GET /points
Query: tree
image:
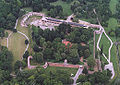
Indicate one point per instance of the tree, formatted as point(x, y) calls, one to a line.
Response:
point(74, 5)
point(42, 41)
point(82, 78)
point(26, 42)
point(86, 83)
point(83, 38)
point(17, 65)
point(4, 75)
point(73, 56)
point(2, 34)
point(85, 71)
point(38, 57)
point(91, 62)
point(48, 54)
point(101, 77)
point(117, 32)
point(22, 12)
point(6, 58)
point(86, 53)
point(36, 48)
point(26, 54)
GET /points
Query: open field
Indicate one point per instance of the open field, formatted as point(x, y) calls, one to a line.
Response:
point(66, 7)
point(17, 46)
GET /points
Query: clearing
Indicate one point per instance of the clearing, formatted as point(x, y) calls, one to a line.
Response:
point(66, 7)
point(17, 46)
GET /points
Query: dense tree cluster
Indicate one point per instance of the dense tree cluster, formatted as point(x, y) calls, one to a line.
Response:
point(117, 32)
point(100, 78)
point(84, 9)
point(6, 58)
point(37, 76)
point(39, 5)
point(48, 43)
point(10, 10)
point(9, 13)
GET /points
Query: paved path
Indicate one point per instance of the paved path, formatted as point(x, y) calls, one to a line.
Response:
point(8, 39)
point(19, 33)
point(77, 75)
point(26, 38)
point(110, 64)
point(100, 31)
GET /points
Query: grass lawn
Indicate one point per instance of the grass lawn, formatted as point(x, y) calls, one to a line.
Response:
point(22, 29)
point(112, 24)
point(17, 46)
point(66, 7)
point(106, 44)
point(17, 42)
point(113, 5)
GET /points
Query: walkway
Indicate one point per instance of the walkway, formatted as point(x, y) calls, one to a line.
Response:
point(100, 31)
point(77, 75)
point(19, 33)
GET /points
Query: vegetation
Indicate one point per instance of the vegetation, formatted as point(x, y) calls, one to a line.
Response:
point(101, 78)
point(48, 43)
point(39, 76)
point(84, 9)
point(65, 5)
point(17, 46)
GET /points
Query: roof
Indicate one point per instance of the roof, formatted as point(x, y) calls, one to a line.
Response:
point(66, 43)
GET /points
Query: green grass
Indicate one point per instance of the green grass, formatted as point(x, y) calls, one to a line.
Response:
point(17, 46)
point(66, 7)
point(113, 6)
point(17, 42)
point(112, 24)
point(22, 29)
point(106, 44)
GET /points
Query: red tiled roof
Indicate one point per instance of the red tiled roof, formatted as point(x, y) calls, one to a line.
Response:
point(66, 43)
